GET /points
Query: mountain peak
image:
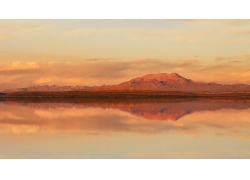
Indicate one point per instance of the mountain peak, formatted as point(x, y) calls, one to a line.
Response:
point(175, 74)
point(157, 82)
point(165, 77)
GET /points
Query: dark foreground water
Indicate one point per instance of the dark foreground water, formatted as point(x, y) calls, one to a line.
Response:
point(127, 129)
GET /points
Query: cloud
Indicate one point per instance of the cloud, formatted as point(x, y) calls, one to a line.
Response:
point(235, 58)
point(245, 74)
point(188, 62)
point(98, 71)
point(46, 80)
point(219, 58)
point(242, 56)
point(18, 72)
point(101, 59)
point(95, 72)
point(19, 66)
point(235, 61)
point(22, 28)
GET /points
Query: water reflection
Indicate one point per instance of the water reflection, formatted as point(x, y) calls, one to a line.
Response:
point(161, 121)
point(121, 116)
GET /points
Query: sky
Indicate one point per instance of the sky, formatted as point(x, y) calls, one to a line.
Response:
point(96, 52)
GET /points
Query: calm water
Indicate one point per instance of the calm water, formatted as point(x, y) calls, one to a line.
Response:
point(144, 129)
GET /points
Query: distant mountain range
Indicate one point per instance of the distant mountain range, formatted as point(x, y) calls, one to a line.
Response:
point(46, 88)
point(156, 82)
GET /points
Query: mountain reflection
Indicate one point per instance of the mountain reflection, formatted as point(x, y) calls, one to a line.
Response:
point(127, 116)
point(152, 110)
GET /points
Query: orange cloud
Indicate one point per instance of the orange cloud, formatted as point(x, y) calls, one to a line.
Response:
point(19, 66)
point(188, 62)
point(219, 58)
point(100, 71)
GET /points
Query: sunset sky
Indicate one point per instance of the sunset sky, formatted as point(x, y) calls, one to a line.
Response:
point(96, 52)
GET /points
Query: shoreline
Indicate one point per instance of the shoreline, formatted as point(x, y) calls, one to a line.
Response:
point(124, 95)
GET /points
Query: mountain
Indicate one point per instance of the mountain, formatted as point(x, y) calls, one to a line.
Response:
point(175, 82)
point(46, 88)
point(155, 82)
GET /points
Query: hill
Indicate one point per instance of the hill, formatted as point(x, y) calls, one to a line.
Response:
point(171, 82)
point(175, 82)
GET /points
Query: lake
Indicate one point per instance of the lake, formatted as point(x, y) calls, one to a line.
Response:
point(177, 128)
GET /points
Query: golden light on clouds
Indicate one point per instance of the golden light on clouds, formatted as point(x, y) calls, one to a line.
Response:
point(99, 72)
point(20, 66)
point(96, 52)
